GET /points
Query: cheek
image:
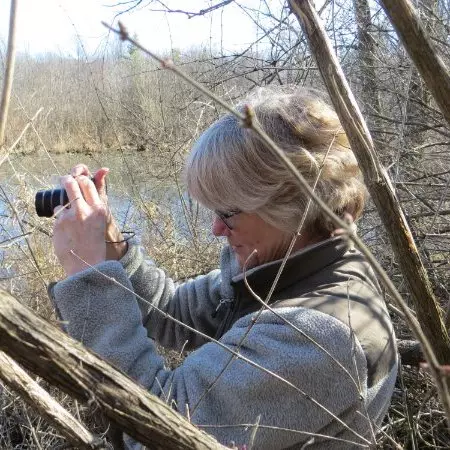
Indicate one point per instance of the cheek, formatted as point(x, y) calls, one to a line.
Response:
point(253, 238)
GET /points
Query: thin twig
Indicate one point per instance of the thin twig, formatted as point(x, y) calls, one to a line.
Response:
point(9, 71)
point(254, 431)
point(286, 430)
point(190, 14)
point(14, 240)
point(25, 234)
point(301, 332)
point(31, 392)
point(38, 135)
point(168, 64)
point(25, 128)
point(33, 432)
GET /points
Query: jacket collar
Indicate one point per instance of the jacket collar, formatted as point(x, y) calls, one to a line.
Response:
point(299, 266)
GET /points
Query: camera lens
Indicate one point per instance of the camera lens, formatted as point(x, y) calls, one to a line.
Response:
point(46, 201)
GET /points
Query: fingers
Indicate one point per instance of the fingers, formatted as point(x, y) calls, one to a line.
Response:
point(72, 188)
point(89, 191)
point(80, 169)
point(99, 177)
point(81, 190)
point(100, 182)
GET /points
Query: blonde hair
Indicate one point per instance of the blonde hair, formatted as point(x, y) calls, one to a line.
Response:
point(231, 168)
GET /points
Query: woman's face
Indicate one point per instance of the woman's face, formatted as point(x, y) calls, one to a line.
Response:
point(250, 232)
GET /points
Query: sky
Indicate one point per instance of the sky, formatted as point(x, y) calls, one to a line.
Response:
point(53, 25)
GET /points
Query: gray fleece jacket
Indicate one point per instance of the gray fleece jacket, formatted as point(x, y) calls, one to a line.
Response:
point(323, 360)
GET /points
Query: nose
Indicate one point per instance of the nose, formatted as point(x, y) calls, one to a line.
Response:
point(219, 228)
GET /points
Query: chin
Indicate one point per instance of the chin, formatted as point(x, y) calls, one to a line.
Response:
point(252, 262)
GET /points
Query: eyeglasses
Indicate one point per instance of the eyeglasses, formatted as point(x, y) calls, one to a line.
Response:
point(225, 216)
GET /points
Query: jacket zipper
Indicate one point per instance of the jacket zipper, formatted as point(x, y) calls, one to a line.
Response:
point(222, 302)
point(225, 325)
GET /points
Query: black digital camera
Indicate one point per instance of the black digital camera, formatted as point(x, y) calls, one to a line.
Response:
point(46, 201)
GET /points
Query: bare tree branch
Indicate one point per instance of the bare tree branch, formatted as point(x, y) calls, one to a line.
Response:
point(165, 8)
point(9, 70)
point(416, 41)
point(54, 356)
point(18, 380)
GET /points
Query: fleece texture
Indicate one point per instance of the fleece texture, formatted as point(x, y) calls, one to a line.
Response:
point(308, 370)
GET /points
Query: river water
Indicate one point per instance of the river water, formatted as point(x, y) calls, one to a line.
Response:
point(143, 200)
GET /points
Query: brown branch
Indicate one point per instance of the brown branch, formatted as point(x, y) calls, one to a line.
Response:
point(18, 380)
point(415, 38)
point(50, 353)
point(376, 179)
point(443, 212)
point(9, 71)
point(190, 15)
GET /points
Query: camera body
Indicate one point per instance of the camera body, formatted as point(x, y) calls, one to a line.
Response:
point(47, 200)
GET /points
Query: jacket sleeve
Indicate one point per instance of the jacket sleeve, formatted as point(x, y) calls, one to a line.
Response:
point(106, 318)
point(193, 302)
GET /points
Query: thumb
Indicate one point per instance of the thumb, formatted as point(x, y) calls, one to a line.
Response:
point(100, 182)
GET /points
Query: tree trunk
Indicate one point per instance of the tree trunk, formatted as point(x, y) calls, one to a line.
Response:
point(60, 360)
point(412, 32)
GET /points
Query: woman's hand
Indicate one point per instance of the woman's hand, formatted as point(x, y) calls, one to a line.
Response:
point(79, 230)
point(115, 245)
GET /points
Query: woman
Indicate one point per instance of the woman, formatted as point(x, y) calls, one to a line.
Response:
point(323, 357)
